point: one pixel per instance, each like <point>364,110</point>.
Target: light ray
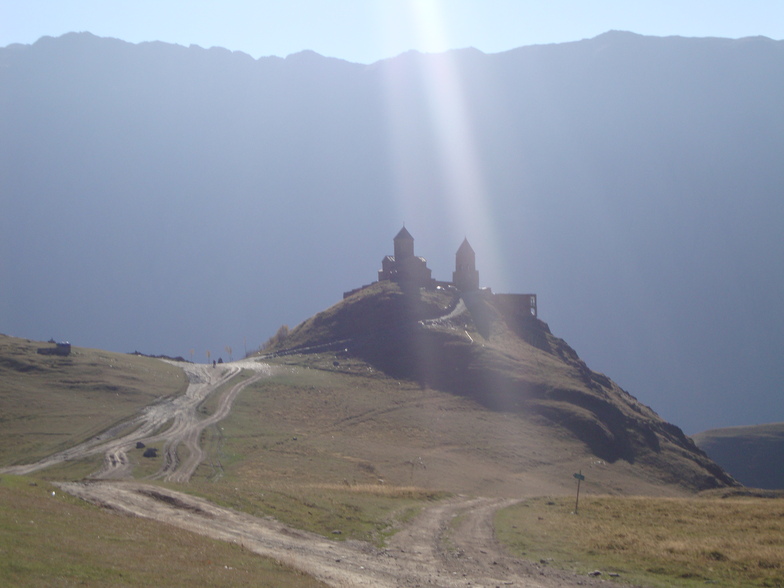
<point>448,134</point>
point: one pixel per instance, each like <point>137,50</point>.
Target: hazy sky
<point>368,30</point>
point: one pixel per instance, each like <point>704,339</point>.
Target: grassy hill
<point>49,403</point>
<point>49,538</point>
<point>508,364</point>
<point>377,406</point>
<point>753,454</point>
<point>730,538</point>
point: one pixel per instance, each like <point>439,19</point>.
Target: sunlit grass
<point>654,541</point>
<point>72,470</point>
<point>273,456</point>
<point>49,538</point>
<point>50,403</point>
<point>210,404</point>
<point>333,511</point>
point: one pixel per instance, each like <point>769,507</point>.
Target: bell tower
<point>404,245</point>
<point>465,277</point>
<point>404,267</point>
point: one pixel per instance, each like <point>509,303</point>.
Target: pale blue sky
<point>368,30</point>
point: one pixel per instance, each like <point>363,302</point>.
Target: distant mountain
<point>753,455</point>
<point>169,199</point>
<point>493,351</point>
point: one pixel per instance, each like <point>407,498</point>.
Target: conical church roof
<point>403,234</point>
<point>465,247</point>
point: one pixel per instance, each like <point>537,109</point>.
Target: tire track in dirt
<point>192,431</point>
<point>433,550</point>
<point>449,544</point>
<point>149,426</point>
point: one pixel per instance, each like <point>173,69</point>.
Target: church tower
<point>404,267</point>
<point>465,277</point>
<point>404,245</point>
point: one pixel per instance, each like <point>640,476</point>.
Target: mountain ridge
<point>633,184</point>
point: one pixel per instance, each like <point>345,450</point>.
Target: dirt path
<point>431,551</point>
<point>188,427</point>
<point>150,426</point>
<point>451,543</point>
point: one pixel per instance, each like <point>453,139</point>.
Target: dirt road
<point>149,426</point>
<point>187,427</point>
<point>450,544</point>
<point>429,552</point>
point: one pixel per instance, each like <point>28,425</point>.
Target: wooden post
<point>580,478</point>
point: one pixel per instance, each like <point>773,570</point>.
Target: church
<point>409,270</point>
<point>406,268</point>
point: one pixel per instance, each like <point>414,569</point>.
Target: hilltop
<point>506,362</point>
<point>320,437</point>
<point>462,393</point>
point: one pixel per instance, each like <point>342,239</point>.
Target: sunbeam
<point>440,180</point>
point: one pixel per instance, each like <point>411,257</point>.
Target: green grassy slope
<point>352,437</point>
<point>49,403</point>
<point>49,538</point>
<point>753,455</point>
<point>348,448</point>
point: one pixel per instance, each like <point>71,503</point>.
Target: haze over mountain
<point>752,455</point>
<point>163,198</point>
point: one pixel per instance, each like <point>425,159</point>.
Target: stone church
<point>409,270</point>
<point>406,268</point>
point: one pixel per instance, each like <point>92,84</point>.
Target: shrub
<point>277,339</point>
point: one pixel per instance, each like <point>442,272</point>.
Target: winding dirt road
<point>429,552</point>
<point>450,544</point>
<point>149,426</point>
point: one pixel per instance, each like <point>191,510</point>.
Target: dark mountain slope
<point>633,182</point>
<point>505,360</point>
<point>753,455</point>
